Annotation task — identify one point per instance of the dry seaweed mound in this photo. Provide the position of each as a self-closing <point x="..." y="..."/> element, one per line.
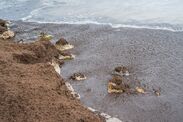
<point x="31" y="90"/>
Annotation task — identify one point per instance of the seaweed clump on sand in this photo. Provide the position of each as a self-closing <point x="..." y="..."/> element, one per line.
<point x="31" y="90"/>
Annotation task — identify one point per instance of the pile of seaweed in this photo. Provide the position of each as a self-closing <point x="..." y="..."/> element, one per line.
<point x="30" y="88"/>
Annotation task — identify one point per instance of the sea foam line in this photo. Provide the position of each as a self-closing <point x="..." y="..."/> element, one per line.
<point x="110" y="24"/>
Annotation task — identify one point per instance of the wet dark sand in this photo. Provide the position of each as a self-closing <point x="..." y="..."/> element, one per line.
<point x="155" y="57"/>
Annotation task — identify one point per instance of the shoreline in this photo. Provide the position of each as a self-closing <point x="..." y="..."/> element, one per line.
<point x="154" y="57"/>
<point x="114" y="26"/>
<point x="39" y="55"/>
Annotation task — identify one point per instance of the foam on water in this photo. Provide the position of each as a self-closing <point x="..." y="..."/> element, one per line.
<point x="151" y="14"/>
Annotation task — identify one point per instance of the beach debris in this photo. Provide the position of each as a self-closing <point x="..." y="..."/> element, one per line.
<point x="78" y="76"/>
<point x="140" y="90"/>
<point x="157" y="91"/>
<point x="121" y="71"/>
<point x="45" y="37"/>
<point x="117" y="85"/>
<point x="7" y="34"/>
<point x="66" y="56"/>
<point x="62" y="45"/>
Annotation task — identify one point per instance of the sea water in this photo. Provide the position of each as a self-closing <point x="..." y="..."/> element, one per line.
<point x="154" y="14"/>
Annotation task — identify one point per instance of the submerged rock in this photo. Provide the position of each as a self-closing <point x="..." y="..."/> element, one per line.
<point x="62" y="45"/>
<point x="117" y="85"/>
<point x="78" y="76"/>
<point x="121" y="70"/>
<point x="157" y="91"/>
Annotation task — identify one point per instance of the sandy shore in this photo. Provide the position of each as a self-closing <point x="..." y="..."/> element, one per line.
<point x="155" y="57"/>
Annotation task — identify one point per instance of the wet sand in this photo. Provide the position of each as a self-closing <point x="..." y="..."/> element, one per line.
<point x="155" y="57"/>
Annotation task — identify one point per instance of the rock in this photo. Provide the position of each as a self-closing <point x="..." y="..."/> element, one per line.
<point x="7" y="35"/>
<point x="62" y="41"/>
<point x="3" y="23"/>
<point x="117" y="85"/>
<point x="62" y="45"/>
<point x="66" y="56"/>
<point x="122" y="70"/>
<point x="2" y="29"/>
<point x="78" y="76"/>
<point x="45" y="37"/>
<point x="157" y="91"/>
<point x="140" y="90"/>
<point x="21" y="41"/>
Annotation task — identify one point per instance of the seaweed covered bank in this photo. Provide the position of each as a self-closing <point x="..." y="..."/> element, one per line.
<point x="31" y="90"/>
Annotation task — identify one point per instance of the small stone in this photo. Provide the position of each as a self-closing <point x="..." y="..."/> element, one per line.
<point x="157" y="92"/>
<point x="62" y="45"/>
<point x="2" y="29"/>
<point x="66" y="56"/>
<point x="3" y="23"/>
<point x="45" y="37"/>
<point x="62" y="41"/>
<point x="21" y="41"/>
<point x="140" y="90"/>
<point x="78" y="76"/>
<point x="117" y="85"/>
<point x="122" y="70"/>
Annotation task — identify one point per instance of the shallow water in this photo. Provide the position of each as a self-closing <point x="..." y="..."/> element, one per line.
<point x="156" y="14"/>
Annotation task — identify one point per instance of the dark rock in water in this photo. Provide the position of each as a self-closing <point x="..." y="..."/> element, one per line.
<point x="122" y="70"/>
<point x="62" y="41"/>
<point x="3" y="26"/>
<point x="118" y="85"/>
<point x="2" y="29"/>
<point x="3" y="23"/>
<point x="78" y="76"/>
